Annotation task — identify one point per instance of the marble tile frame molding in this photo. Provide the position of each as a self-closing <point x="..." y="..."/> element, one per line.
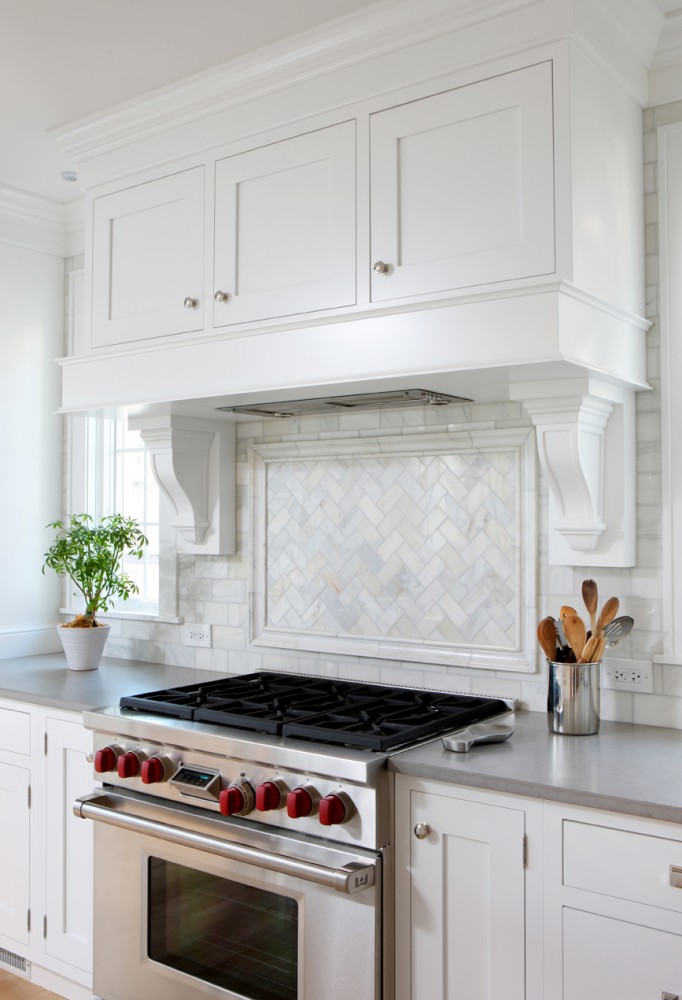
<point x="270" y="462"/>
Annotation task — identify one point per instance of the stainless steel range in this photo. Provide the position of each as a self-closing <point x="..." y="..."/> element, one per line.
<point x="243" y="836"/>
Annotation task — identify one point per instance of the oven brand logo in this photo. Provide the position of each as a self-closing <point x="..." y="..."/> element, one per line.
<point x="361" y="881"/>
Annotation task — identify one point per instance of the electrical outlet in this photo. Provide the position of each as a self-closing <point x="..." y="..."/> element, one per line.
<point x="197" y="634"/>
<point x="634" y="676"/>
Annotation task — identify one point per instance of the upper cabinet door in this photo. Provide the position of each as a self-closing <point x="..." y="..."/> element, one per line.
<point x="463" y="187"/>
<point x="285" y="227"/>
<point x="148" y="260"/>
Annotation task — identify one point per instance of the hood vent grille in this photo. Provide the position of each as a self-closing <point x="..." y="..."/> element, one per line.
<point x="360" y="401"/>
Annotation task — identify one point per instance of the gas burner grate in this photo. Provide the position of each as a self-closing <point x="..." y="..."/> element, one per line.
<point x="344" y="713"/>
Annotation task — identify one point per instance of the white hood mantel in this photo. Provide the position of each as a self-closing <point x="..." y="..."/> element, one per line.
<point x="568" y="342"/>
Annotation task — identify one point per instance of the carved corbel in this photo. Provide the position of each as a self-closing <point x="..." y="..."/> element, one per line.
<point x="193" y="463"/>
<point x="586" y="444"/>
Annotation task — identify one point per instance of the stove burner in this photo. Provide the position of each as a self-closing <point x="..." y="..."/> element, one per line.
<point x="370" y="716"/>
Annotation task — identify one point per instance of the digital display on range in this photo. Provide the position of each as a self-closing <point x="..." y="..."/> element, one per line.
<point x="193" y="781"/>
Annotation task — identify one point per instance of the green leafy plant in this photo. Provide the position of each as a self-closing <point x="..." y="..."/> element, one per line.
<point x="91" y="555"/>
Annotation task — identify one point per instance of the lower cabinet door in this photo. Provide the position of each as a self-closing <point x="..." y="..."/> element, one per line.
<point x="461" y="902"/>
<point x="68" y="857"/>
<point x="605" y="957"/>
<point x="14" y="852"/>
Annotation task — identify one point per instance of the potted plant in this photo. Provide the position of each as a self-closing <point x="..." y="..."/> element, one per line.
<point x="91" y="555"/>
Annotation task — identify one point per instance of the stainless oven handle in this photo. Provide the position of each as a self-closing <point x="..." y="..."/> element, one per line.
<point x="350" y="878"/>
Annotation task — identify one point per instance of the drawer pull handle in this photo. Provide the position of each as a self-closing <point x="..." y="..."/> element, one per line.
<point x="669" y="996"/>
<point x="675" y="877"/>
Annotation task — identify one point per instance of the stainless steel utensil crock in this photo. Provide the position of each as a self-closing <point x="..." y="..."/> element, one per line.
<point x="573" y="698"/>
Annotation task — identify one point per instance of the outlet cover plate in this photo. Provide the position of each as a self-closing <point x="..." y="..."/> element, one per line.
<point x="635" y="676"/>
<point x="196" y="634"/>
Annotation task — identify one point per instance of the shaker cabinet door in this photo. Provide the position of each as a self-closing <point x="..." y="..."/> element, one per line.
<point x="460" y="897"/>
<point x="605" y="957"/>
<point x="14" y="853"/>
<point x="462" y="187"/>
<point x="68" y="847"/>
<point x="285" y="228"/>
<point x="148" y="260"/>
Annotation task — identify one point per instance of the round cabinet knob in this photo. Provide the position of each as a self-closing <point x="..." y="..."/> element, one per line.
<point x="236" y="799"/>
<point x="422" y="830"/>
<point x="269" y="796"/>
<point x="191" y="303"/>
<point x="152" y="770"/>
<point x="380" y="267"/>
<point x="333" y="810"/>
<point x="301" y="801"/>
<point x="129" y="765"/>
<point x="105" y="759"/>
<point x="221" y="296"/>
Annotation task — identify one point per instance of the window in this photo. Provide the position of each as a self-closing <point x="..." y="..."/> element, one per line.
<point x="110" y="472"/>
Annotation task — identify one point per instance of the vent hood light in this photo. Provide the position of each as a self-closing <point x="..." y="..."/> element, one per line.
<point x="361" y="401"/>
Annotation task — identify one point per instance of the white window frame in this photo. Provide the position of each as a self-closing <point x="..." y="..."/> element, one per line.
<point x="82" y="483"/>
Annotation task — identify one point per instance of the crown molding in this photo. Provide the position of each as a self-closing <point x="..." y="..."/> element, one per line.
<point x="384" y="28"/>
<point x="33" y="222"/>
<point x="665" y="78"/>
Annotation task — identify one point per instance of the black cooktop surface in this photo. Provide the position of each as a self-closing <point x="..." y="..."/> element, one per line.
<point x="370" y="716"/>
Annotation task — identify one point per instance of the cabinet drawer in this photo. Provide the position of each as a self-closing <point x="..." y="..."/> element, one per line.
<point x="15" y="731"/>
<point x="622" y="864"/>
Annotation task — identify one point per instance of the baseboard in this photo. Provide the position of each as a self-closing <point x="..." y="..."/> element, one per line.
<point x="60" y="985"/>
<point x="28" y="640"/>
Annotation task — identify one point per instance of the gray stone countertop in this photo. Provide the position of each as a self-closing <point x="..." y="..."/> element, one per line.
<point x="624" y="768"/>
<point x="46" y="680"/>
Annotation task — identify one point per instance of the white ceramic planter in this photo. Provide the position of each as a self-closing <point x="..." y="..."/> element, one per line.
<point x="83" y="646"/>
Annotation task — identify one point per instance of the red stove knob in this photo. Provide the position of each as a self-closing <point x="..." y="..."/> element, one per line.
<point x="269" y="795"/>
<point x="236" y="799"/>
<point x="129" y="764"/>
<point x="301" y="801"/>
<point x="333" y="809"/>
<point x="152" y="770"/>
<point x="105" y="759"/>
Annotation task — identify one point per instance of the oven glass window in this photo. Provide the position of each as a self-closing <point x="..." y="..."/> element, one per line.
<point x="232" y="935"/>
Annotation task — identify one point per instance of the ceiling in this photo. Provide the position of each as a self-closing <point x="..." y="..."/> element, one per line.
<point x="61" y="60"/>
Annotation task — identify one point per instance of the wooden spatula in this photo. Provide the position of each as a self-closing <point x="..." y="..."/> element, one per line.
<point x="576" y="633"/>
<point x="547" y="637"/>
<point x="591" y="599"/>
<point x="608" y="613"/>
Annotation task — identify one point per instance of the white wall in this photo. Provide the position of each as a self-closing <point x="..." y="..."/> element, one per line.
<point x="31" y="337"/>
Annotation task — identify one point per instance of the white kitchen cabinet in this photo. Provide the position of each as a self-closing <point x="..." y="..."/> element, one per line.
<point x="285" y="227"/>
<point x="68" y="847"/>
<point x="463" y="187"/>
<point x="613" y="909"/>
<point x="45" y="852"/>
<point x="460" y="894"/>
<point x="148" y="260"/>
<point x="14" y="855"/>
<point x="15" y="833"/>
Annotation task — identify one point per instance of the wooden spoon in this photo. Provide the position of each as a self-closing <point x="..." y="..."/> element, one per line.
<point x="591" y="599"/>
<point x="565" y="610"/>
<point x="576" y="633"/>
<point x="608" y="613"/>
<point x="547" y="637"/>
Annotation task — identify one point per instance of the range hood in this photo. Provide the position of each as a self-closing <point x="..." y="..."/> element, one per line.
<point x="396" y="399"/>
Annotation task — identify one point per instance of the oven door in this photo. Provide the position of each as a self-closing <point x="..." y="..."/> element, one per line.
<point x="188" y="904"/>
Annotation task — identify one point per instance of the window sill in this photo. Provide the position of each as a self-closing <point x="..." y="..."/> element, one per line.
<point x="138" y="616"/>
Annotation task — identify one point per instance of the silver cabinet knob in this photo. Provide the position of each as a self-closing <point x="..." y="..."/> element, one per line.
<point x="422" y="830"/>
<point x="190" y="303"/>
<point x="89" y="757"/>
<point x="381" y="268"/>
<point x="222" y="296"/>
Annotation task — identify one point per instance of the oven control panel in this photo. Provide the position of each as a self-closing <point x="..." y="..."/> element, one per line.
<point x="304" y="801"/>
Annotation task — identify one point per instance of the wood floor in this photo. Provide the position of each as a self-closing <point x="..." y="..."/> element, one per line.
<point x="14" y="988"/>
